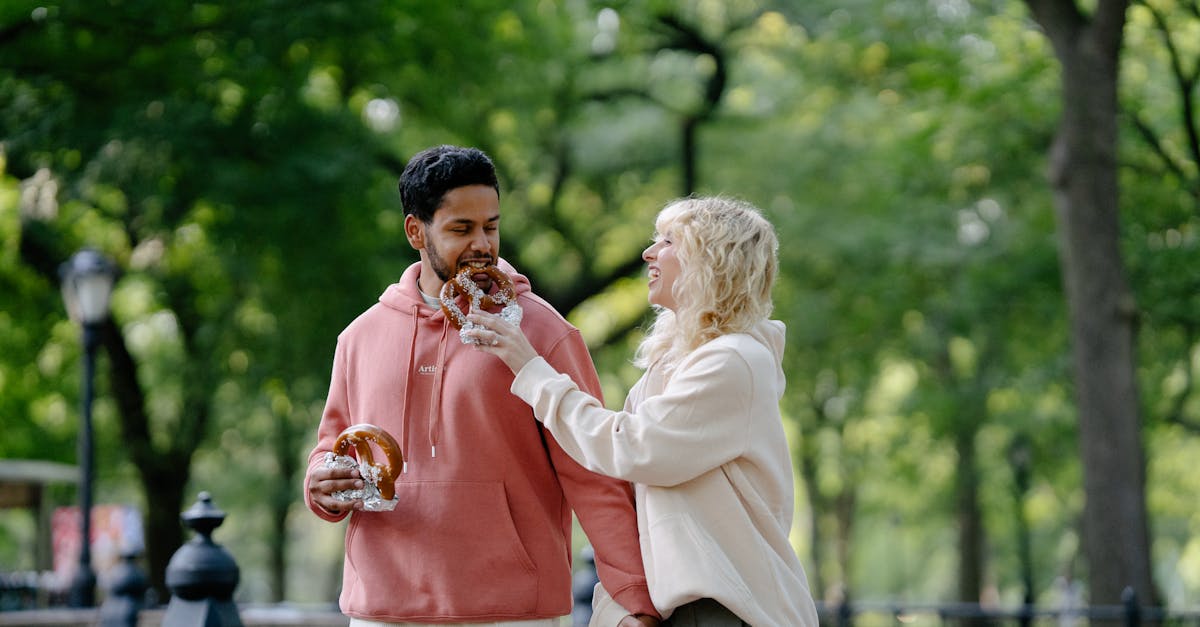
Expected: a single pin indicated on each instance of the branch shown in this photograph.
(1185, 82)
(131, 400)
(584, 290)
(562, 172)
(41, 250)
(11, 32)
(1174, 165)
(1188, 425)
(197, 370)
(609, 95)
(1176, 414)
(690, 39)
(620, 333)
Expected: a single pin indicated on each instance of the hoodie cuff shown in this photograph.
(529, 379)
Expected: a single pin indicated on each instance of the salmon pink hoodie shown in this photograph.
(482, 530)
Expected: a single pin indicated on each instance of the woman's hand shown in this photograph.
(495, 335)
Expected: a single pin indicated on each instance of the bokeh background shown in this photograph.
(238, 162)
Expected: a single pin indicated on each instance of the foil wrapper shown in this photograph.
(369, 493)
(511, 313)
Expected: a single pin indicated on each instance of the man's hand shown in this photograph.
(323, 482)
(641, 620)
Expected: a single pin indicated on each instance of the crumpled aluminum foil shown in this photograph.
(369, 493)
(512, 314)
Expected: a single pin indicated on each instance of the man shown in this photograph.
(481, 532)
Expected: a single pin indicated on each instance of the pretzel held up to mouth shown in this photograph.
(463, 283)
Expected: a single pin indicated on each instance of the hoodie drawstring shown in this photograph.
(435, 403)
(408, 368)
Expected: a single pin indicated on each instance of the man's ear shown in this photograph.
(414, 230)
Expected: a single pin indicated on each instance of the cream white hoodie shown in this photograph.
(712, 472)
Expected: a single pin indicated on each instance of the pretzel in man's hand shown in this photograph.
(379, 480)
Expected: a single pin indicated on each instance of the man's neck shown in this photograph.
(432, 301)
(428, 282)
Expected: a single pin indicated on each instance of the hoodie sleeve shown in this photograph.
(697, 423)
(604, 505)
(334, 419)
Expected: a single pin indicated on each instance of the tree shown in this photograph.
(240, 161)
(140, 118)
(1160, 107)
(1083, 172)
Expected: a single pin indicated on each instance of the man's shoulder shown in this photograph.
(373, 315)
(544, 325)
(537, 308)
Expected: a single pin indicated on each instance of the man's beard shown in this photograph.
(440, 267)
(446, 271)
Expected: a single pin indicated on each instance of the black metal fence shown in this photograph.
(881, 614)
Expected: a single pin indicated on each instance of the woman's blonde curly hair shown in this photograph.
(727, 255)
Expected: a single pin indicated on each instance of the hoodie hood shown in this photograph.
(773, 335)
(405, 294)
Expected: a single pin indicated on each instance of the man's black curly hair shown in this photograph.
(437, 170)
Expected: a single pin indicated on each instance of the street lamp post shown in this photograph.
(87, 281)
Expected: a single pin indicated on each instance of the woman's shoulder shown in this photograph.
(740, 343)
(731, 349)
(732, 355)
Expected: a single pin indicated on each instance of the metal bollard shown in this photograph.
(202, 574)
(845, 613)
(1133, 611)
(126, 594)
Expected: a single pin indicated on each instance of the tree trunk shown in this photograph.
(970, 517)
(164, 527)
(287, 440)
(808, 472)
(1083, 173)
(165, 470)
(969, 407)
(278, 555)
(845, 506)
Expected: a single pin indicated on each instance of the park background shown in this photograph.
(992, 335)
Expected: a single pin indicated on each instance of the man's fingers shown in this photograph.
(324, 482)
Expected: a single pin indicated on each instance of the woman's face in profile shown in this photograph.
(663, 271)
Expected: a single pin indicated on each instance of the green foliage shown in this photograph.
(239, 162)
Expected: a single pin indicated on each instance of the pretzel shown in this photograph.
(462, 283)
(360, 437)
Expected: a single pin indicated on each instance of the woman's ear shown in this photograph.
(414, 230)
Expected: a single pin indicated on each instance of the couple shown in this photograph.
(686, 495)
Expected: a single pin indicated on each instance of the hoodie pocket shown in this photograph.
(449, 549)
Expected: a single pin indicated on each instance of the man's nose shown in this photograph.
(480, 241)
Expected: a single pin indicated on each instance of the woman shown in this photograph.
(700, 435)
